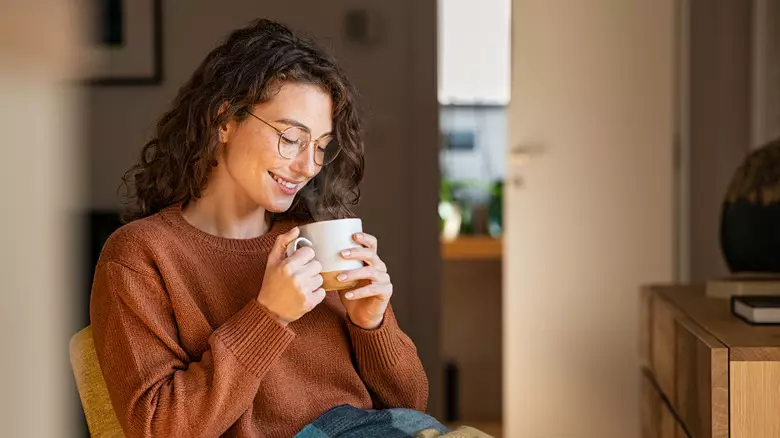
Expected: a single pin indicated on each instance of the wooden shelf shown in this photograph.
(472, 248)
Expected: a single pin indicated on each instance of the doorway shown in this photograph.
(473, 93)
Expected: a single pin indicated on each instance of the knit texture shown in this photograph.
(186, 350)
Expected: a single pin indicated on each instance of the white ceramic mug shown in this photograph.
(328, 239)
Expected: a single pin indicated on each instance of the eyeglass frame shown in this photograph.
(302, 147)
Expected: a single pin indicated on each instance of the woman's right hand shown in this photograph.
(291, 285)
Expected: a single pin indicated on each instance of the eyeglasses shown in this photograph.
(295, 139)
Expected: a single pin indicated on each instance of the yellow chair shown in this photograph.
(101, 418)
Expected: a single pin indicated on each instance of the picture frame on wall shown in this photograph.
(126, 45)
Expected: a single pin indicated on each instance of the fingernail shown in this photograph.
(342, 277)
(349, 295)
(346, 253)
(359, 236)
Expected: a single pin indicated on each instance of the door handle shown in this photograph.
(519, 156)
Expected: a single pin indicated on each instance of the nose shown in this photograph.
(304, 163)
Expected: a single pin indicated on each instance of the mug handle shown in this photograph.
(296, 244)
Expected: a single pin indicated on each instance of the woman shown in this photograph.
(202, 326)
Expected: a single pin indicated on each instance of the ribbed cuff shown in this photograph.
(378, 348)
(255, 337)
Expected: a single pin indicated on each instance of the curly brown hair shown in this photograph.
(248, 68)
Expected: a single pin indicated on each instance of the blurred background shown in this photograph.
(530, 164)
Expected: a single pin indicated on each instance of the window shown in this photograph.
(474, 52)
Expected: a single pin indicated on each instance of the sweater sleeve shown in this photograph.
(155, 387)
(388, 364)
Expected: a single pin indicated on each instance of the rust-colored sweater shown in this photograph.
(187, 351)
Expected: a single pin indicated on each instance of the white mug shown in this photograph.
(328, 239)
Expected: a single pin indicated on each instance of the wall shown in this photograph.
(396, 77)
(720, 121)
(766, 71)
(40, 186)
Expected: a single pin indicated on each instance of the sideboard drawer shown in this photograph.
(690, 367)
(663, 342)
(657, 418)
(645, 327)
(650, 408)
(702, 383)
(670, 427)
(718, 375)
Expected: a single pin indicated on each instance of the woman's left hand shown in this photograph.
(366, 305)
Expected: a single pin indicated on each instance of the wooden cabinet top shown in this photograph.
(472, 248)
(746, 342)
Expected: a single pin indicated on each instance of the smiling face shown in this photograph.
(249, 165)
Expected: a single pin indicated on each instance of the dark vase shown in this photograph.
(750, 220)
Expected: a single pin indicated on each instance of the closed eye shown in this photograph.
(290, 140)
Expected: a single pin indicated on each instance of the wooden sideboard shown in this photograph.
(705, 373)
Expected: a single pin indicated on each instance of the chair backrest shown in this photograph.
(101, 418)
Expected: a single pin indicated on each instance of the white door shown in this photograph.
(591, 214)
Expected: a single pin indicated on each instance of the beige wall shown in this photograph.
(766, 71)
(40, 188)
(396, 77)
(720, 120)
